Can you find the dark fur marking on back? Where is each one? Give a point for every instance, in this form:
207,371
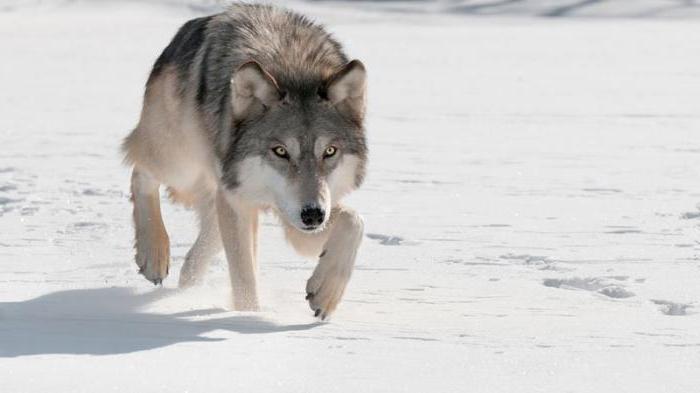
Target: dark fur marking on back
203,69
183,47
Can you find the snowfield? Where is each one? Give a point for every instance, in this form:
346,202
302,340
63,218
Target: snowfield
531,211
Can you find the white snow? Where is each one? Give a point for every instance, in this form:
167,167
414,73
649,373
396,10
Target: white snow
531,210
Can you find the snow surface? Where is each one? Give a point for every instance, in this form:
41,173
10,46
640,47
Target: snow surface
532,211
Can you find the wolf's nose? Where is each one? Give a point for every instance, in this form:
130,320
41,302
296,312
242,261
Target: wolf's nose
312,216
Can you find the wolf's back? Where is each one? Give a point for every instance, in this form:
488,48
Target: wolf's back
299,54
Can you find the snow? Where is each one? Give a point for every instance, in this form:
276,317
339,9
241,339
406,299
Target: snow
531,210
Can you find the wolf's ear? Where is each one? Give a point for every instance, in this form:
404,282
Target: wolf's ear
346,90
252,90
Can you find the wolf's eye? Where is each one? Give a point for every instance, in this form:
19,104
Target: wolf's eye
280,152
330,151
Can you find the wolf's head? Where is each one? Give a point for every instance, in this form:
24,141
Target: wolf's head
298,150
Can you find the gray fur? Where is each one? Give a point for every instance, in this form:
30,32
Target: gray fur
301,57
253,109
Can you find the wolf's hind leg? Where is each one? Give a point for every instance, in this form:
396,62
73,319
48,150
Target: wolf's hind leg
152,243
207,245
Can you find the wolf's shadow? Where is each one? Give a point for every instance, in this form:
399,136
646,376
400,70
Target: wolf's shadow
109,321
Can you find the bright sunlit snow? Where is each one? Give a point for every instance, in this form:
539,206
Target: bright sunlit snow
531,211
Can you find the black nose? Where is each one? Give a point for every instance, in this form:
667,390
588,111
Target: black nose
312,216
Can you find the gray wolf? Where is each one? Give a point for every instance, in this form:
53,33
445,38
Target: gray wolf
250,110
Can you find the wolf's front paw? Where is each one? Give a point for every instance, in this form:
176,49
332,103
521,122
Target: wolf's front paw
246,305
153,259
325,289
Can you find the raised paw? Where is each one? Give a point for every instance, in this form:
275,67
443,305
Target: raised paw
325,289
153,259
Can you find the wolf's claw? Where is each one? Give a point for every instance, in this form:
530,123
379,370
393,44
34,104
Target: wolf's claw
317,313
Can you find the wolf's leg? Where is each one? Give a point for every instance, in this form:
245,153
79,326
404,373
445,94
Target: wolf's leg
152,243
207,245
339,243
238,223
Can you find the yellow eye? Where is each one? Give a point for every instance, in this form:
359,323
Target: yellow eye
330,151
280,151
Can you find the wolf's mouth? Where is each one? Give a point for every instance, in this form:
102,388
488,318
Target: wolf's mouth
313,228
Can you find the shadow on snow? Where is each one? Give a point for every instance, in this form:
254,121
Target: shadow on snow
110,321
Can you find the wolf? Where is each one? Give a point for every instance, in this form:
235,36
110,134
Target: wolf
254,109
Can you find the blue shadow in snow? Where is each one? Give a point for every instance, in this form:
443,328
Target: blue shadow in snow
109,321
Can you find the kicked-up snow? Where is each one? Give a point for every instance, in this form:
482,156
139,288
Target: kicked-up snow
531,212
